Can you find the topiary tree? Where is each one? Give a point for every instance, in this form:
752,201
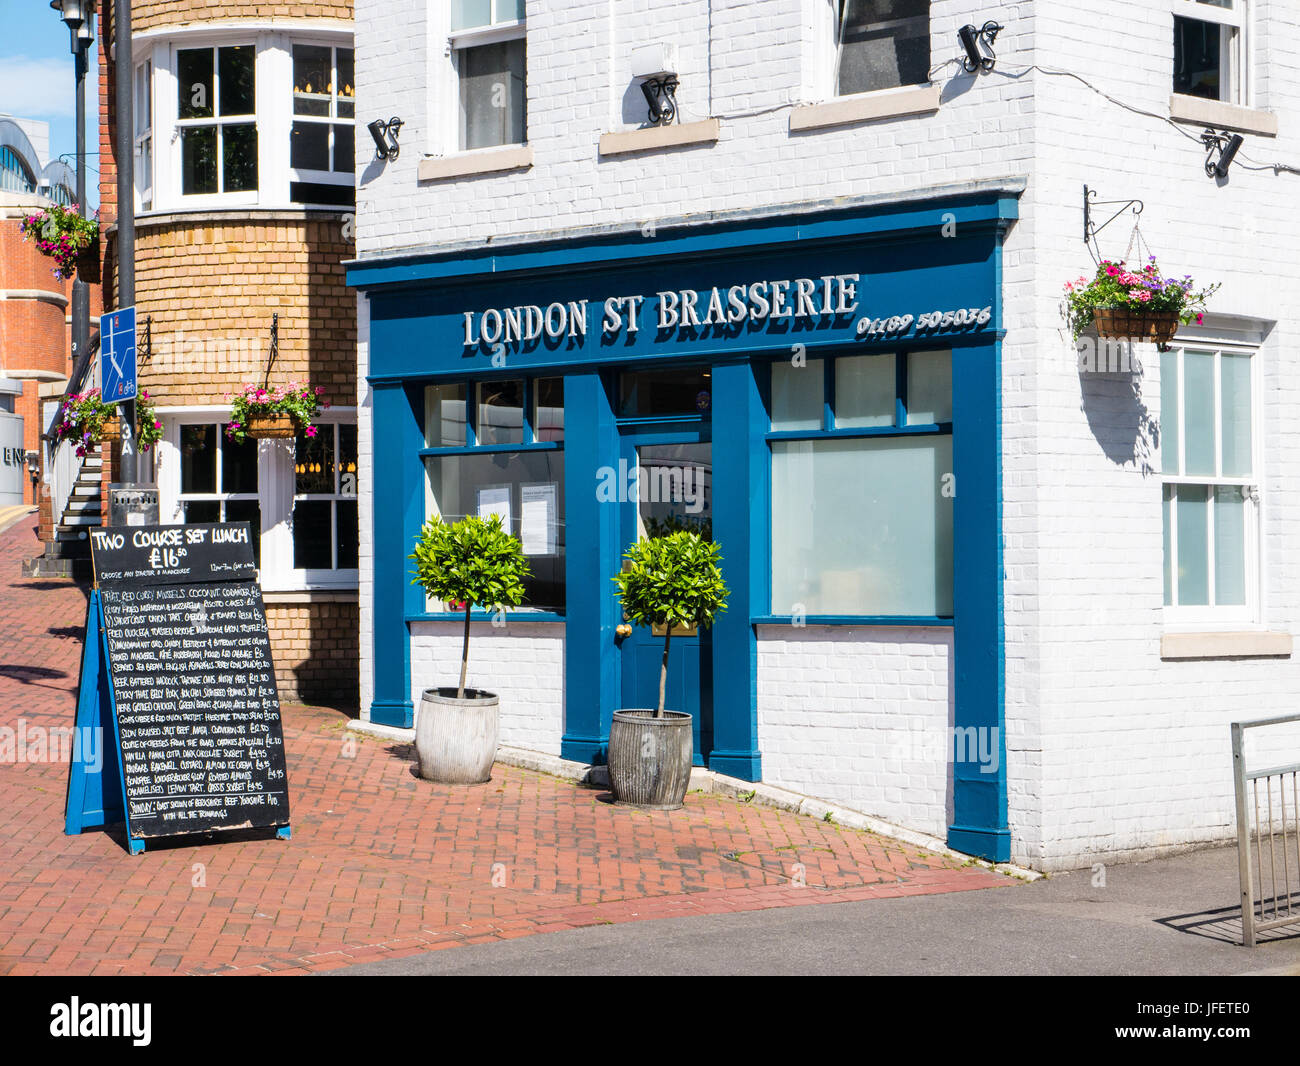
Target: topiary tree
472,562
670,581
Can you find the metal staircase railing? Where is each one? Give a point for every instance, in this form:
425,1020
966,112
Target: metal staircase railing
64,466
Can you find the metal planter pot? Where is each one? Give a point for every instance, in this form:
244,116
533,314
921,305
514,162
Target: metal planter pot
650,758
456,739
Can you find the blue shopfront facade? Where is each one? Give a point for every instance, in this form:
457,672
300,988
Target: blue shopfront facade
771,350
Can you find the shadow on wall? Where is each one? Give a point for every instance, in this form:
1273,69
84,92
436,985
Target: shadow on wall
1110,386
325,671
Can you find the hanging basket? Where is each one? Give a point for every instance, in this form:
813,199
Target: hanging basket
88,264
1123,323
274,426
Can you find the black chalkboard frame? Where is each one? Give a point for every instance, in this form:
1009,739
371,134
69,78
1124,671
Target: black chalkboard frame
97,790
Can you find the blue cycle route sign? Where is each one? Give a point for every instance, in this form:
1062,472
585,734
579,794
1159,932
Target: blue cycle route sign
117,355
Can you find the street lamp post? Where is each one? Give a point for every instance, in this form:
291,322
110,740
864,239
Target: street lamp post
79,16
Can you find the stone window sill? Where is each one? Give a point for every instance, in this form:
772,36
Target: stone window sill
867,107
479,161
1201,112
1226,645
319,595
705,131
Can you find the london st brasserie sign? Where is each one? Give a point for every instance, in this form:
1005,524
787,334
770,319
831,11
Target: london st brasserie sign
760,302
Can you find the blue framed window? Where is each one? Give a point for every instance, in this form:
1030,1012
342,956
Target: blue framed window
862,486
497,447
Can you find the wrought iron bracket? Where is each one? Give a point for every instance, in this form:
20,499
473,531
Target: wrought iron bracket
1090,227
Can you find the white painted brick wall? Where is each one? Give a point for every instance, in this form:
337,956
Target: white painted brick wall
523,663
1109,748
860,716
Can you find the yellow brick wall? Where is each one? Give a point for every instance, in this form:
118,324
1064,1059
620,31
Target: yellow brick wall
315,647
209,288
147,14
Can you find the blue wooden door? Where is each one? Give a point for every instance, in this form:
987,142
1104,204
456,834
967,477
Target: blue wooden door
667,478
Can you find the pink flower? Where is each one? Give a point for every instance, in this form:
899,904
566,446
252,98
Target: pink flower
1200,319
311,431
1144,297
1112,271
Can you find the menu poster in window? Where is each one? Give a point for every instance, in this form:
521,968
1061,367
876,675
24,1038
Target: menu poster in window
178,675
496,501
537,522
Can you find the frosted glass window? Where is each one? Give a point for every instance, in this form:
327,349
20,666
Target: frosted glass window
929,388
861,527
1235,417
1169,436
1193,545
1198,412
1229,546
866,387
798,395
444,416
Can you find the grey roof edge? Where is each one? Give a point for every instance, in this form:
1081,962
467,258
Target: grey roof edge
1009,186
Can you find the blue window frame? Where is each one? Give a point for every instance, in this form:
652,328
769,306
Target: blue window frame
862,487
496,446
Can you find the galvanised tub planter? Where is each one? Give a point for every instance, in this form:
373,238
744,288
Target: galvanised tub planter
456,739
650,758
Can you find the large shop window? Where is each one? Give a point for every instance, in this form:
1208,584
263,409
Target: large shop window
1210,49
496,447
321,144
216,106
862,486
488,49
1208,433
218,479
881,44
325,499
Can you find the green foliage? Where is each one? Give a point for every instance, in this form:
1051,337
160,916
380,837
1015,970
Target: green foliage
81,420
672,580
300,402
473,562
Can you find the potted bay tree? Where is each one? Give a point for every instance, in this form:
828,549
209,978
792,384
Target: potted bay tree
470,563
669,581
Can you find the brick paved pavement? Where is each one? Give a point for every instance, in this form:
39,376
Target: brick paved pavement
381,863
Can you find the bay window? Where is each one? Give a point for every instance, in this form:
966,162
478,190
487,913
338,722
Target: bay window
218,479
497,448
1210,49
143,107
881,44
231,119
488,51
325,499
321,141
1208,430
862,497
216,117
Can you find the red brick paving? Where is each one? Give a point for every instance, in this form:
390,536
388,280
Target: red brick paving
381,863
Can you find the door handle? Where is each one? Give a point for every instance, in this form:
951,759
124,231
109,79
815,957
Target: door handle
622,631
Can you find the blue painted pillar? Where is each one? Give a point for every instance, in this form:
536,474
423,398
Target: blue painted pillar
591,678
979,825
740,516
397,498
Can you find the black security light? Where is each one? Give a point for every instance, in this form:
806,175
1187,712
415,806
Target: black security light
385,135
661,95
970,38
1226,146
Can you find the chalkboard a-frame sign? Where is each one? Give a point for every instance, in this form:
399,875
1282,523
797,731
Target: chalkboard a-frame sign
178,715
